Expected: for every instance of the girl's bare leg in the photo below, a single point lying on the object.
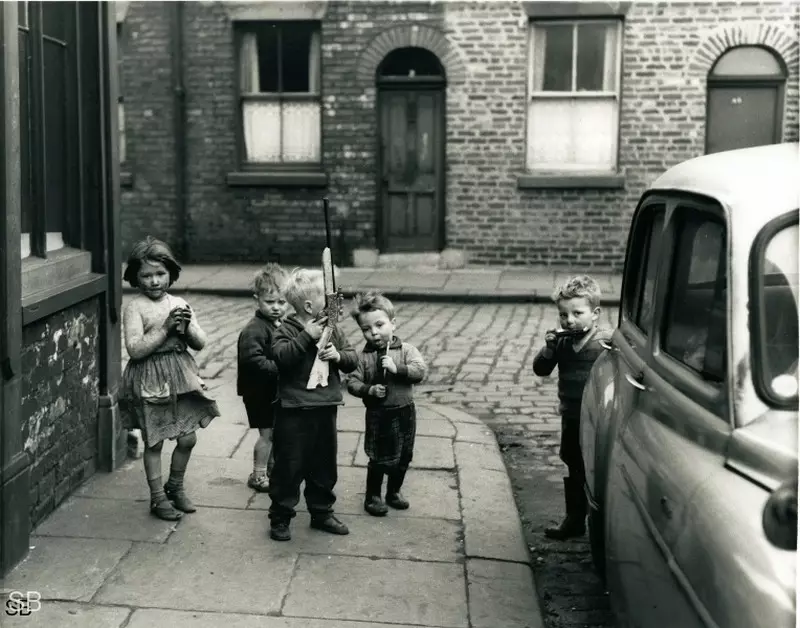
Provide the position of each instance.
(159, 505)
(180, 459)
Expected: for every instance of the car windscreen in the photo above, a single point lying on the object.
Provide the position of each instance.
(777, 320)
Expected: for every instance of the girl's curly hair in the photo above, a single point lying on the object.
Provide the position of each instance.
(150, 250)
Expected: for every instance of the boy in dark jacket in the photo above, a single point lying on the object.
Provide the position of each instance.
(305, 430)
(257, 373)
(574, 350)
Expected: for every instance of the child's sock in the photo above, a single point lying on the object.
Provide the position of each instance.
(180, 460)
(157, 493)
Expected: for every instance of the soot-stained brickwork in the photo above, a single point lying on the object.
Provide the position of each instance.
(59, 399)
(667, 51)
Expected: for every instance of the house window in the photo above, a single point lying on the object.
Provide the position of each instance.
(48, 126)
(573, 109)
(279, 79)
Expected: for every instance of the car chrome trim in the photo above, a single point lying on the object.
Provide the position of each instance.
(672, 564)
(634, 383)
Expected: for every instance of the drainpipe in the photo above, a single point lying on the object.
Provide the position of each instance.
(179, 117)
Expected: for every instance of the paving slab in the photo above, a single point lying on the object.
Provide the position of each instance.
(350, 421)
(479, 456)
(393, 537)
(71, 615)
(391, 591)
(429, 453)
(441, 428)
(347, 444)
(145, 618)
(66, 568)
(497, 537)
(84, 517)
(502, 594)
(209, 481)
(219, 439)
(217, 576)
(455, 415)
(474, 433)
(432, 494)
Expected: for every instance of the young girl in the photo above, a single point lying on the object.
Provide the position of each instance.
(161, 392)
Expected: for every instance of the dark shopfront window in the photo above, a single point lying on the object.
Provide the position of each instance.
(50, 124)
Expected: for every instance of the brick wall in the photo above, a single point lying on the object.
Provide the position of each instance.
(59, 399)
(146, 85)
(662, 123)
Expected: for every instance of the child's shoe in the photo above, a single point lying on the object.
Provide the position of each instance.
(165, 511)
(374, 505)
(260, 484)
(179, 498)
(397, 501)
(329, 524)
(279, 531)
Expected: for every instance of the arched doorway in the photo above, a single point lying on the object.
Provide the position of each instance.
(745, 99)
(411, 101)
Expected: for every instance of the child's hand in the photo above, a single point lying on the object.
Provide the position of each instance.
(378, 390)
(329, 353)
(174, 321)
(314, 328)
(388, 364)
(550, 339)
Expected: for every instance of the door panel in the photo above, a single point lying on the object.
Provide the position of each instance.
(411, 194)
(739, 117)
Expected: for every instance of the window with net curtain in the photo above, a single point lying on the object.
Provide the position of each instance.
(573, 110)
(280, 93)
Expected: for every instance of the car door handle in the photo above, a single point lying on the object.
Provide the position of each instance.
(665, 507)
(607, 345)
(635, 381)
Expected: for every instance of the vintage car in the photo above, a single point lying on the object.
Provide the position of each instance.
(689, 418)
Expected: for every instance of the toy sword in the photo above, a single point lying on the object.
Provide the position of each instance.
(333, 306)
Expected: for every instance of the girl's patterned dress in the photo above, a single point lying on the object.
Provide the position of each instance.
(163, 395)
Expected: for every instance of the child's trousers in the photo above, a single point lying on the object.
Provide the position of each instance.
(304, 442)
(570, 451)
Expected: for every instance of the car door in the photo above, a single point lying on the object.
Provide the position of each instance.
(632, 562)
(676, 437)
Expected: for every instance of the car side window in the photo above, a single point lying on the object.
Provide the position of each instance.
(695, 327)
(643, 267)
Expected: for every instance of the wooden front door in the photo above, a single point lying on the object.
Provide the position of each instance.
(740, 116)
(411, 213)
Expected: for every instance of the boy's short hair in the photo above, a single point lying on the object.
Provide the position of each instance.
(371, 301)
(270, 278)
(579, 287)
(304, 283)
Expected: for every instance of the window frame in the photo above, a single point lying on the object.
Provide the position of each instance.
(758, 341)
(711, 396)
(601, 177)
(245, 166)
(79, 270)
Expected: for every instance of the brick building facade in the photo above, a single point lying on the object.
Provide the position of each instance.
(518, 132)
(59, 260)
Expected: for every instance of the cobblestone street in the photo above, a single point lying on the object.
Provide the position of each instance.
(480, 360)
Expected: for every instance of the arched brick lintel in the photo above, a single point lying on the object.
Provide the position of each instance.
(411, 35)
(725, 37)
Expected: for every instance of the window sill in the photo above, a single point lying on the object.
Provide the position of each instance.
(278, 178)
(58, 282)
(126, 179)
(571, 180)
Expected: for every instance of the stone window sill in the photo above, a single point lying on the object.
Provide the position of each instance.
(571, 180)
(126, 179)
(60, 281)
(278, 178)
